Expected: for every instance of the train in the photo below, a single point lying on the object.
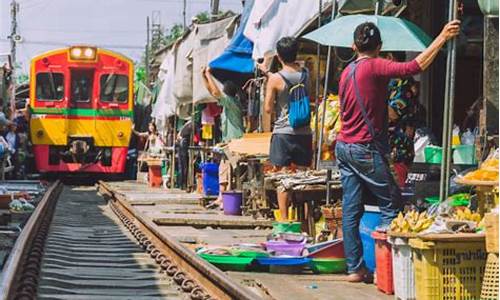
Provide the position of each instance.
(81, 110)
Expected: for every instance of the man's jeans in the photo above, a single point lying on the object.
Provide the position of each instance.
(364, 173)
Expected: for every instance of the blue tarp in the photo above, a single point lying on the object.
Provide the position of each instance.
(238, 55)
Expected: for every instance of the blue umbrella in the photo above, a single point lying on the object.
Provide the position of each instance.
(397, 34)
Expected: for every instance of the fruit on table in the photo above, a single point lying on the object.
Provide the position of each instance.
(482, 175)
(490, 164)
(411, 222)
(467, 215)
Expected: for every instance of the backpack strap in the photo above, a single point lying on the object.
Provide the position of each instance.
(379, 145)
(303, 77)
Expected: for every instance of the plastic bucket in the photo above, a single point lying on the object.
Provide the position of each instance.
(232, 202)
(369, 221)
(433, 154)
(154, 176)
(464, 155)
(210, 173)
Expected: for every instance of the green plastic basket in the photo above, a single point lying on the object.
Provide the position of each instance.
(228, 263)
(283, 227)
(433, 154)
(328, 265)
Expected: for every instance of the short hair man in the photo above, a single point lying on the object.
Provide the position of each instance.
(289, 146)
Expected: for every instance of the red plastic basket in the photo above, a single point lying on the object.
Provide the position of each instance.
(383, 263)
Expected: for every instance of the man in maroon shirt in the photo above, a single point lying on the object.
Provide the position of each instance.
(362, 145)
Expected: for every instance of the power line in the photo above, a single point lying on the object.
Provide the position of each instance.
(65, 44)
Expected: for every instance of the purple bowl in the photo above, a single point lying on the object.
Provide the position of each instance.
(285, 248)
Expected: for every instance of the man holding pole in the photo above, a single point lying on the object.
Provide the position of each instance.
(362, 144)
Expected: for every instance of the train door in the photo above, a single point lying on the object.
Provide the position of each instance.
(81, 116)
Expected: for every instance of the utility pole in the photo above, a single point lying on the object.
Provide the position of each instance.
(215, 9)
(14, 8)
(146, 62)
(184, 14)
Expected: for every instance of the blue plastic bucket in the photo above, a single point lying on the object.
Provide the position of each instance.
(210, 173)
(369, 221)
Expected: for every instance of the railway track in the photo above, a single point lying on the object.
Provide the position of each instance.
(78, 246)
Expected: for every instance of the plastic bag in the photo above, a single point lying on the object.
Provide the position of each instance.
(468, 138)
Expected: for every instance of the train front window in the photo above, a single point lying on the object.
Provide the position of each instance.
(114, 88)
(81, 85)
(49, 86)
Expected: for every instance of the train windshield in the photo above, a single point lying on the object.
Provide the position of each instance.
(81, 85)
(49, 86)
(114, 88)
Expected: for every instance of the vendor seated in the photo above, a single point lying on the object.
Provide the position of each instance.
(289, 145)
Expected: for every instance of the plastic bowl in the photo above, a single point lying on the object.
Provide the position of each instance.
(285, 248)
(282, 227)
(328, 265)
(228, 263)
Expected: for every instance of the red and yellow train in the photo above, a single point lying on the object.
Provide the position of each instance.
(81, 101)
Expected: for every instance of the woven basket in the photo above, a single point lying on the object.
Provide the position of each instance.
(489, 289)
(491, 225)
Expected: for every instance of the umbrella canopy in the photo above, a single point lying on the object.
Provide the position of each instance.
(397, 34)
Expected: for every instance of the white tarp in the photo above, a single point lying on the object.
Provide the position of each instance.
(183, 78)
(166, 104)
(271, 20)
(210, 40)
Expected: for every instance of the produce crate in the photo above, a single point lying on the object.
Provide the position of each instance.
(383, 263)
(491, 225)
(490, 280)
(402, 269)
(448, 270)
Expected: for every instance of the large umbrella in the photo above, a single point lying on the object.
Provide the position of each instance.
(397, 34)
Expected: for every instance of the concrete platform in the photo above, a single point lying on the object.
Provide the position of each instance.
(180, 215)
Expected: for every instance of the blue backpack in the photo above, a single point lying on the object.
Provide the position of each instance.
(299, 111)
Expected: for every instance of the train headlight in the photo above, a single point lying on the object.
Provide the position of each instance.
(83, 53)
(89, 53)
(76, 52)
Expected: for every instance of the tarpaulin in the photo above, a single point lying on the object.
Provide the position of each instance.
(238, 55)
(210, 40)
(271, 20)
(183, 78)
(166, 104)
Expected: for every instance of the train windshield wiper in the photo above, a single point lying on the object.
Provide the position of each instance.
(109, 93)
(52, 86)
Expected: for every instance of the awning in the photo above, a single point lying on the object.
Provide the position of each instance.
(237, 57)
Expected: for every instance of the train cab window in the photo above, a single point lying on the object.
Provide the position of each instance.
(81, 86)
(114, 88)
(49, 86)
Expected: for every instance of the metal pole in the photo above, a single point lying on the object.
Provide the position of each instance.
(215, 9)
(325, 90)
(146, 63)
(184, 14)
(173, 162)
(448, 108)
(14, 7)
(318, 74)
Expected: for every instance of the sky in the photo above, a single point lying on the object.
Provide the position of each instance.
(118, 25)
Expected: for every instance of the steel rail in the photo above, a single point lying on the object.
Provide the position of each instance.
(205, 278)
(18, 261)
